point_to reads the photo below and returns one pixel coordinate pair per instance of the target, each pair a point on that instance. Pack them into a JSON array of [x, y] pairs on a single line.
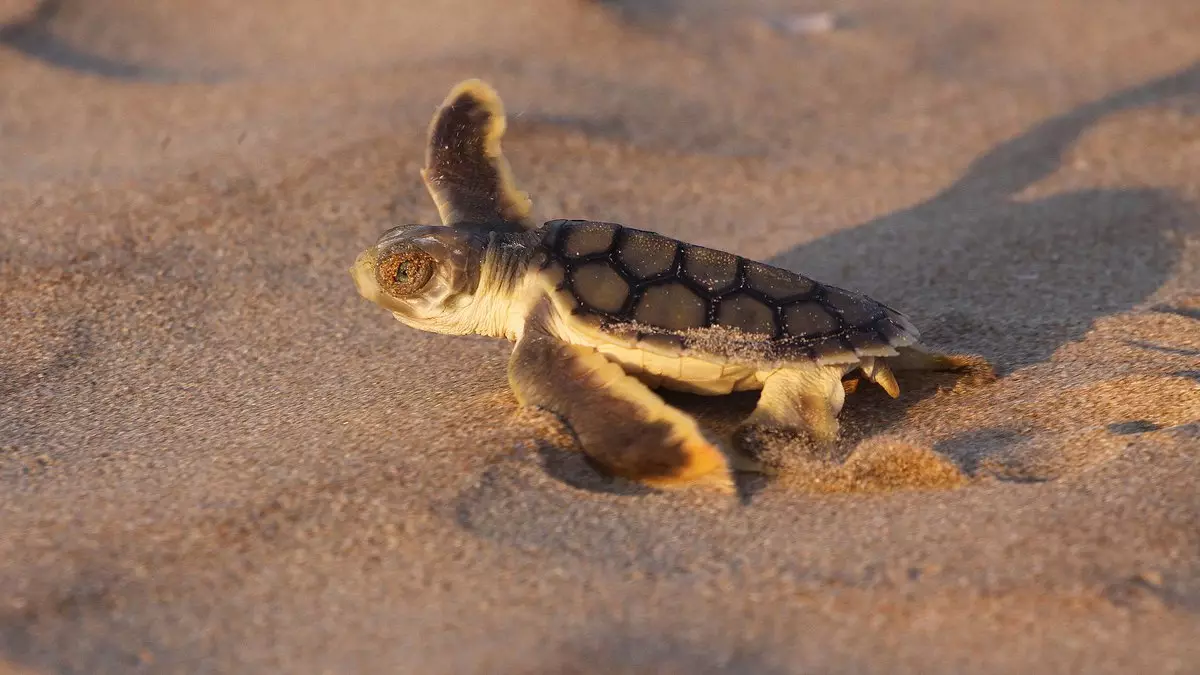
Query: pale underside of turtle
[[602, 314]]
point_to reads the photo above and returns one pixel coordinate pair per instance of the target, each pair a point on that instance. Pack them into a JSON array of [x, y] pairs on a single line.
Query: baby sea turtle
[[601, 314]]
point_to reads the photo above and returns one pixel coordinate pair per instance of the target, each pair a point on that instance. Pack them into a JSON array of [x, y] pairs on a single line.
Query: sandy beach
[[215, 457]]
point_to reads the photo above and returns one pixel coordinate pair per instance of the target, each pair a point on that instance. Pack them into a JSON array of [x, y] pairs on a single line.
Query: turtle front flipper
[[465, 171], [621, 425]]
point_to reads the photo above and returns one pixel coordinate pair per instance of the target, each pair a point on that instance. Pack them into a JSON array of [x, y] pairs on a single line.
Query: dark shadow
[[1192, 429], [972, 449], [1138, 592], [979, 269], [559, 457], [652, 12], [33, 37], [575, 469], [1178, 351], [1063, 262], [78, 346], [1185, 312], [570, 466], [632, 651], [71, 630], [1133, 427], [982, 271]]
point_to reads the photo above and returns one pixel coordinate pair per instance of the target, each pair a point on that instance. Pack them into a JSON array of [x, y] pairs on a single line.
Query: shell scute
[[585, 239], [550, 234], [715, 271], [777, 284], [599, 286], [809, 318], [856, 309], [646, 254], [894, 334], [747, 314], [672, 306], [867, 342]]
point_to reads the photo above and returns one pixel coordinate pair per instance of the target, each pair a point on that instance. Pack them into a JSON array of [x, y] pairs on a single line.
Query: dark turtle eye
[[405, 273]]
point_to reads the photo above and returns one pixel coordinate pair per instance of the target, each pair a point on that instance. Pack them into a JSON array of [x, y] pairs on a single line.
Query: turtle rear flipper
[[915, 357], [465, 171], [798, 399], [877, 371], [620, 423]]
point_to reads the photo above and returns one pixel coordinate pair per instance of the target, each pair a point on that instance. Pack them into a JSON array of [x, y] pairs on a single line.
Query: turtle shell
[[673, 297]]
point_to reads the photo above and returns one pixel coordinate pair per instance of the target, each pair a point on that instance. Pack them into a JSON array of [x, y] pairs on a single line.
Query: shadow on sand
[[1052, 266], [34, 37], [986, 272]]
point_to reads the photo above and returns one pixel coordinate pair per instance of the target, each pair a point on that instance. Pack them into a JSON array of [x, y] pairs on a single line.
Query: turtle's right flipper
[[621, 425], [465, 170]]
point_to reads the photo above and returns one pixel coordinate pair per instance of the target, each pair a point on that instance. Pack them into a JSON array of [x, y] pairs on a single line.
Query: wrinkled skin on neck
[[469, 289]]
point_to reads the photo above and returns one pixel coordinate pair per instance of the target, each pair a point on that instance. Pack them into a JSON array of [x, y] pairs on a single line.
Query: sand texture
[[216, 458]]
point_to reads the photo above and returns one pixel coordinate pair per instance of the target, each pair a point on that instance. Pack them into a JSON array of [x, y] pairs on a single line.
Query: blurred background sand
[[216, 458]]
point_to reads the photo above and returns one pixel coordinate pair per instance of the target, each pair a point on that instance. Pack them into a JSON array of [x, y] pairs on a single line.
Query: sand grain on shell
[[215, 457]]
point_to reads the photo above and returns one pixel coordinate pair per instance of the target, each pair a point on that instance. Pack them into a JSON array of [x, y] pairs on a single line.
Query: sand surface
[[216, 458]]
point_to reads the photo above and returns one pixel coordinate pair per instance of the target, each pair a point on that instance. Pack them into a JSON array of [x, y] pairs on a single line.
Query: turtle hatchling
[[602, 314]]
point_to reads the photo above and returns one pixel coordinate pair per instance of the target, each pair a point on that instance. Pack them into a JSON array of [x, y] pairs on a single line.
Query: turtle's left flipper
[[621, 425], [465, 171]]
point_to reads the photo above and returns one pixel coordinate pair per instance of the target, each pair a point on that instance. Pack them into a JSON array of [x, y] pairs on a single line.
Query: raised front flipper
[[465, 170], [621, 425]]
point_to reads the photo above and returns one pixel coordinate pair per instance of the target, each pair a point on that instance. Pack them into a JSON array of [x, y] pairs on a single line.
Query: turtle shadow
[[982, 270], [571, 467], [1065, 261], [561, 458], [985, 271], [981, 451]]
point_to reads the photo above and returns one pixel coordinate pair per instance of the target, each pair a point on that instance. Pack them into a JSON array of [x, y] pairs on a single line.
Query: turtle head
[[460, 277], [426, 275]]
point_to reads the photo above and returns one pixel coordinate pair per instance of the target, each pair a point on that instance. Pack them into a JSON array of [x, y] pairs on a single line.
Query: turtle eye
[[405, 273]]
